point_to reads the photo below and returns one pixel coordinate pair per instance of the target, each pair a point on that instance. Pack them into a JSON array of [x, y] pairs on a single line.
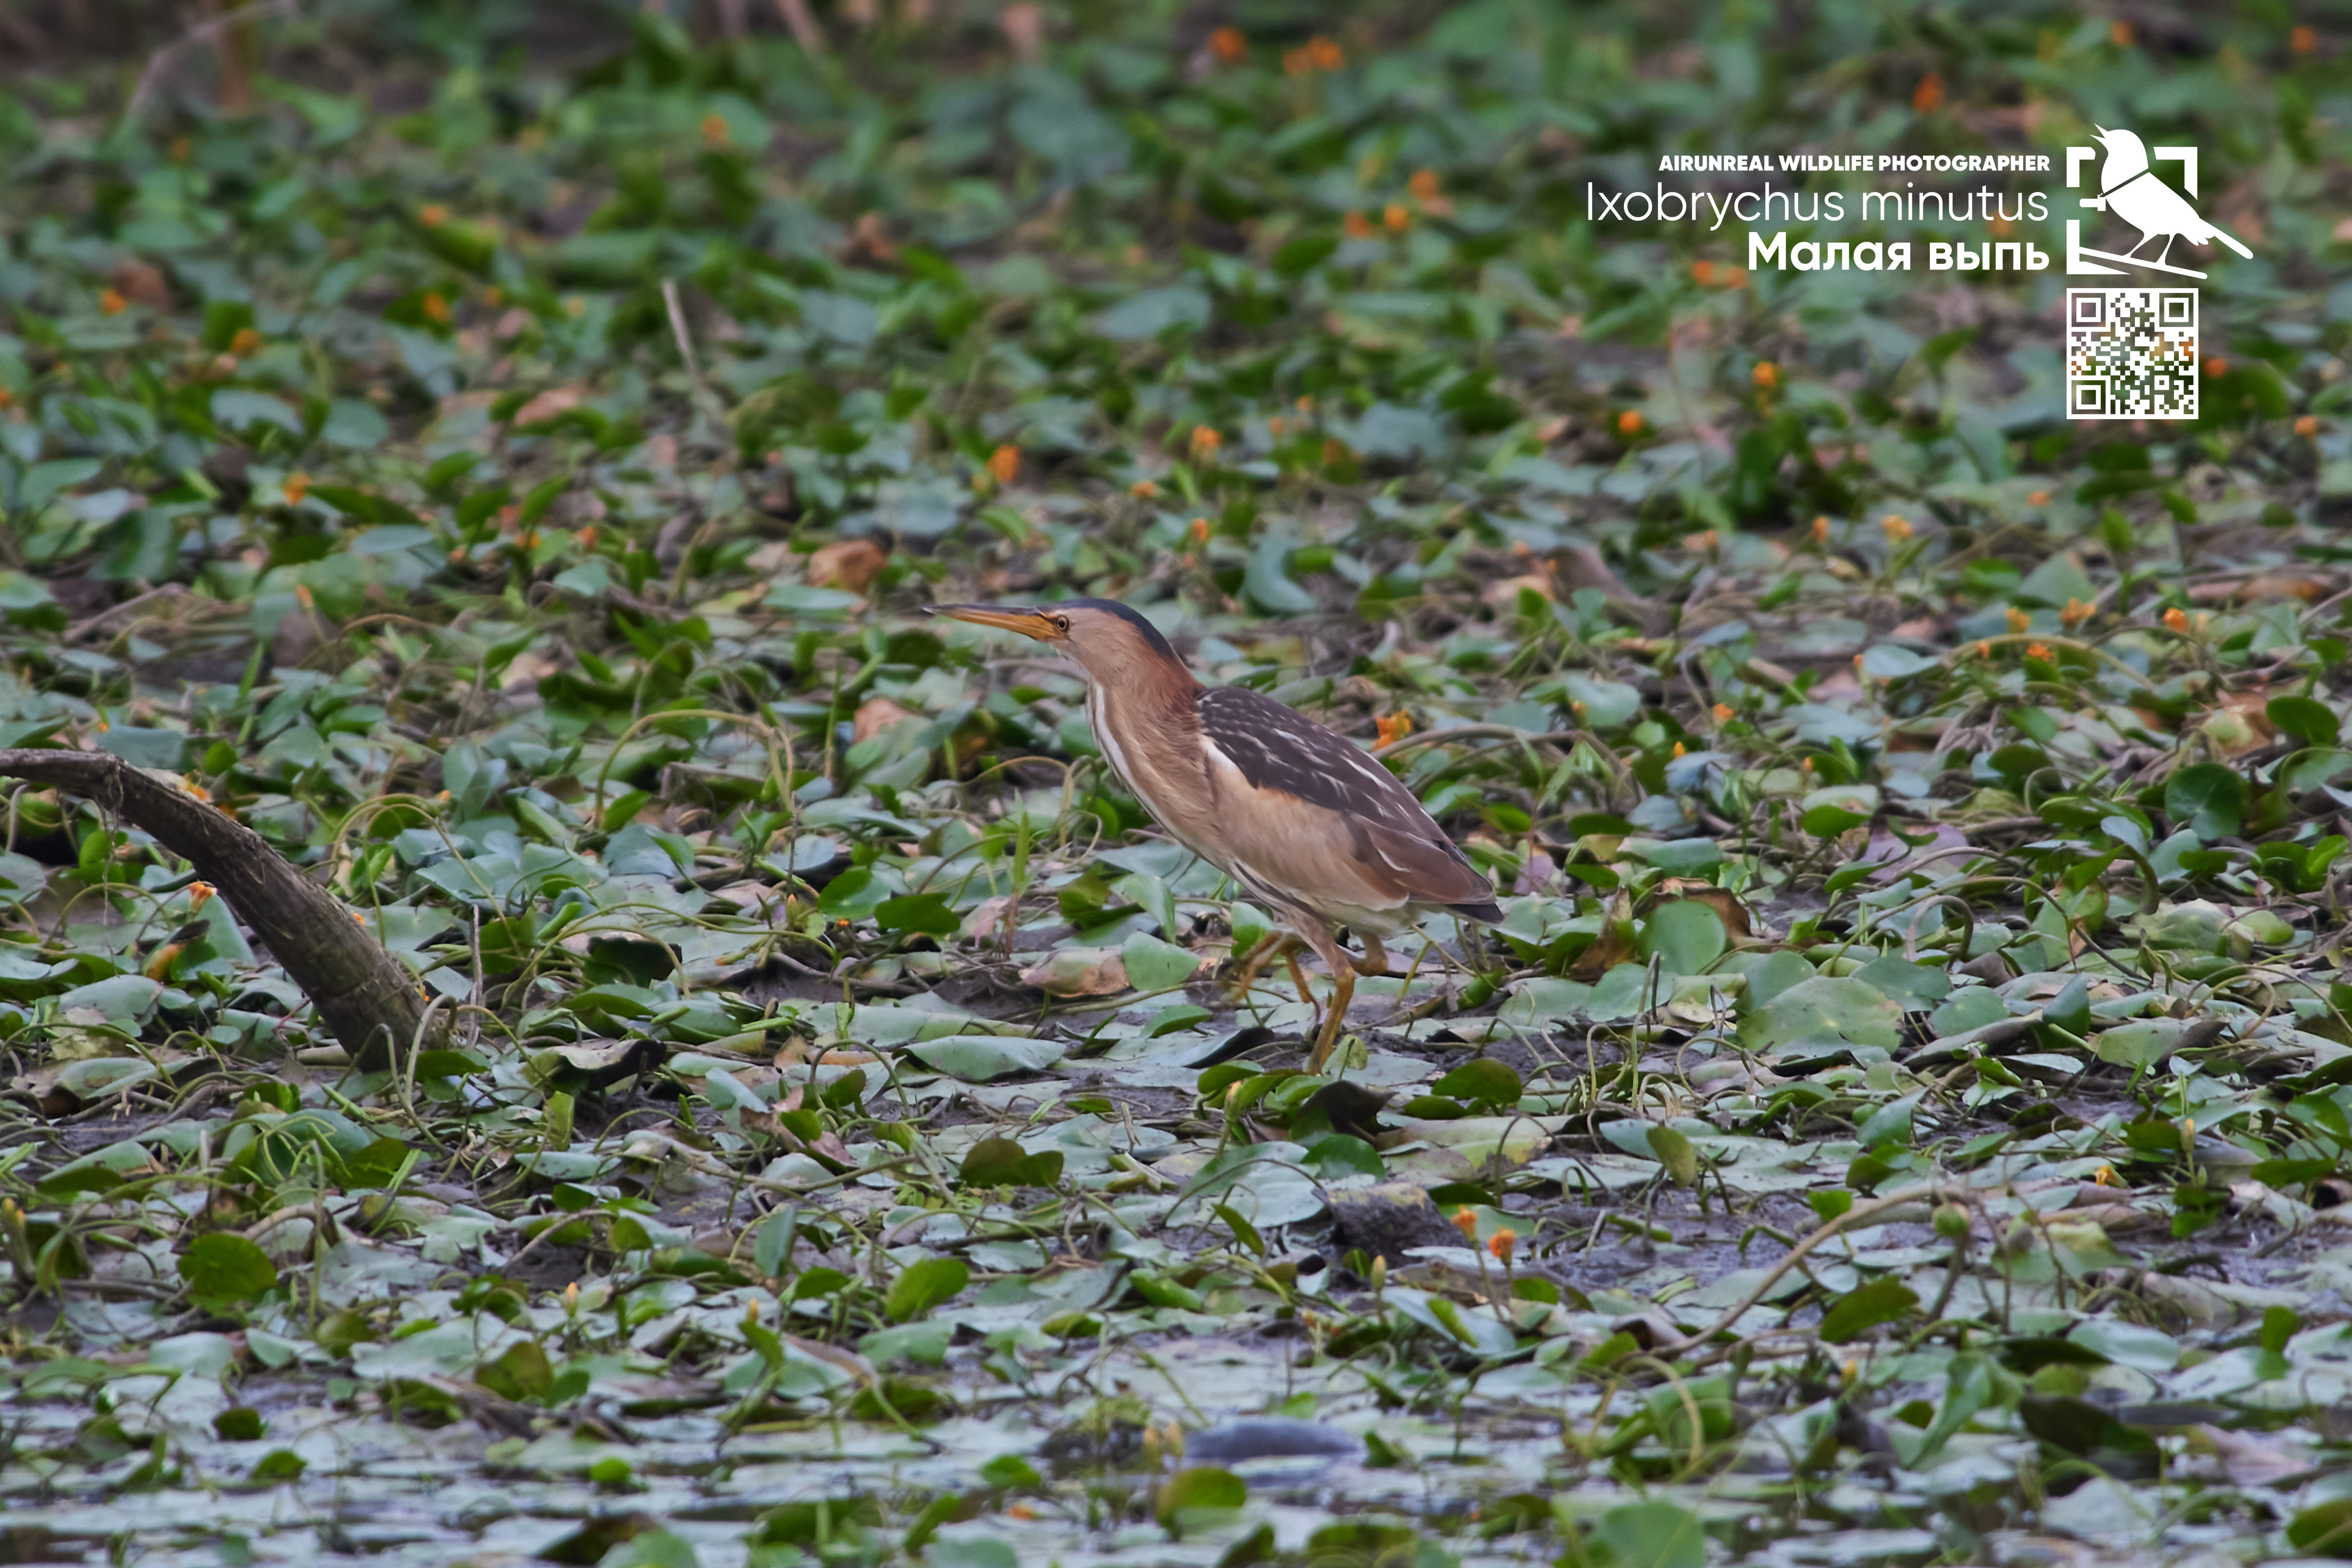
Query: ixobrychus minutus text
[[1299, 817]]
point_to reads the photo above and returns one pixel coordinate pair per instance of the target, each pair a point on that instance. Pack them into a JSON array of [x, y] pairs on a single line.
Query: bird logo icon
[[2129, 187]]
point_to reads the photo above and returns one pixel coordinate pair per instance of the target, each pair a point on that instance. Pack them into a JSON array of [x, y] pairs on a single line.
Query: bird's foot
[[1273, 945], [1335, 1018], [1375, 960]]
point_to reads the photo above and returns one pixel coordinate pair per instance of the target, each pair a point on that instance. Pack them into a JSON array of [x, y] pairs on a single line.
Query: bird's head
[[2122, 144], [1107, 639]]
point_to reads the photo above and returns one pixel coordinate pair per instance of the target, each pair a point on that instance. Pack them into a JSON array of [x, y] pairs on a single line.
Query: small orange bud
[[1734, 276], [1984, 649], [2303, 40], [2075, 612], [1393, 727], [1273, 426], [1502, 1244], [1357, 225], [1324, 55], [1725, 713], [1630, 424], [1806, 765], [1296, 62], [715, 131], [2176, 618], [1004, 463], [2120, 34], [2037, 650], [1681, 750], [433, 214], [1196, 532], [1465, 1220], [1143, 489], [302, 596], [2018, 619], [1928, 96], [1398, 216], [1206, 443], [1335, 451], [2038, 498], [1820, 530], [586, 537], [297, 486], [8, 398], [2307, 426], [2217, 366], [2106, 1177], [1896, 529], [246, 342], [1228, 44], [494, 295], [1766, 376], [1426, 186], [112, 303], [181, 149], [1702, 273], [436, 309]]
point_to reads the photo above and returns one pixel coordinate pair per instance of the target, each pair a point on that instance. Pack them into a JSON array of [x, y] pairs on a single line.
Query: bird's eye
[[1062, 624]]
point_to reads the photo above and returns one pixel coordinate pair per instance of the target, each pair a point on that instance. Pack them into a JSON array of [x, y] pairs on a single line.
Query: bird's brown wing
[[1395, 840]]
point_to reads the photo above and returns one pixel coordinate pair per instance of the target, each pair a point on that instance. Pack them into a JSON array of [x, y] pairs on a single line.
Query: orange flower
[[2038, 498], [1465, 1220], [2105, 1176], [8, 398], [1206, 443], [1296, 62], [1398, 216], [1984, 650], [1702, 273], [714, 130], [433, 214], [302, 596], [1196, 533], [1273, 426], [1502, 1244], [1324, 55], [2176, 618], [1724, 713], [2120, 34], [1426, 186], [1733, 276], [2307, 426], [1766, 376], [199, 893], [246, 342], [110, 303], [2075, 612], [1928, 96], [586, 538], [1896, 529], [2303, 40], [1335, 451], [494, 295], [2037, 650], [1357, 225], [181, 149], [1393, 727], [297, 486], [1228, 44], [1143, 489], [1004, 463], [1820, 530], [436, 309], [2217, 366], [2018, 619], [1630, 424]]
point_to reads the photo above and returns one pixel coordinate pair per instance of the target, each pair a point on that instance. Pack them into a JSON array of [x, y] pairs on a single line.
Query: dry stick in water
[[365, 995]]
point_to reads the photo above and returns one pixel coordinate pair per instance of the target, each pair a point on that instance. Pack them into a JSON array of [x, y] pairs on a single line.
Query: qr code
[[2131, 353]]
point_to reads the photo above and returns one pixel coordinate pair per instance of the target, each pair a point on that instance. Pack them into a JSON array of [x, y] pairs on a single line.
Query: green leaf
[[1483, 1081], [976, 1058], [1657, 1535], [1828, 821], [2208, 799], [1687, 936], [925, 1285], [226, 1267], [1156, 965], [2307, 718], [1859, 1310], [1831, 1006], [1002, 1162], [1342, 1155], [1676, 1154], [927, 914], [1204, 1490]]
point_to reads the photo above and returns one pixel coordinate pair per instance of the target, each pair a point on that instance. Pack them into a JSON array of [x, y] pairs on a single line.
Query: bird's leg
[[1273, 945], [2168, 249], [2136, 250], [1376, 957], [1343, 989]]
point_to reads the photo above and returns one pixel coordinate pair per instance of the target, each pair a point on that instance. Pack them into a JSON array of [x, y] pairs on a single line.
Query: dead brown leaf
[[143, 283], [848, 563], [1737, 924], [876, 716]]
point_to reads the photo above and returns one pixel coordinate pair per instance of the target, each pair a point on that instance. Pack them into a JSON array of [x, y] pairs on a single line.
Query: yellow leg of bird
[[1273, 945], [1375, 960], [1297, 975], [1343, 990]]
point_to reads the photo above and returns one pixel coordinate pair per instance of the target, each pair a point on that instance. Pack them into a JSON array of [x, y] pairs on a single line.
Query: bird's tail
[[2229, 240]]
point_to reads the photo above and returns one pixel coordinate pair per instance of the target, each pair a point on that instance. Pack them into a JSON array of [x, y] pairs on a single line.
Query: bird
[[1297, 815], [2130, 191]]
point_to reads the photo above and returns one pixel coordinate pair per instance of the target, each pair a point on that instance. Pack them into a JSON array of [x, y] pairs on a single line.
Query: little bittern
[[1299, 816]]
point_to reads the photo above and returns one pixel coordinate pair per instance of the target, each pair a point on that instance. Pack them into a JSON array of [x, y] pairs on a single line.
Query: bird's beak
[[1006, 617]]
